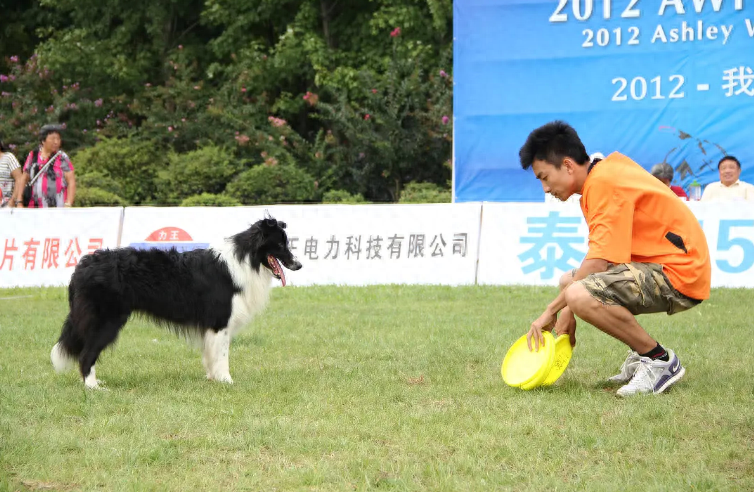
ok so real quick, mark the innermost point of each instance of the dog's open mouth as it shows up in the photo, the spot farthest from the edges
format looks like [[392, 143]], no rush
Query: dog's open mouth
[[277, 270]]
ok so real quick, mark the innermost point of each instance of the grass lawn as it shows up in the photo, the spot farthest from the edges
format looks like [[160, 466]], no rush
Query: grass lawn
[[389, 387]]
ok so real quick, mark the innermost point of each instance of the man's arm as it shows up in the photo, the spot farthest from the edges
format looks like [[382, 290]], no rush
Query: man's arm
[[548, 318]]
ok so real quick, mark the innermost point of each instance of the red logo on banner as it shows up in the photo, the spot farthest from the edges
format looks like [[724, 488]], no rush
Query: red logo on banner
[[169, 234], [168, 238]]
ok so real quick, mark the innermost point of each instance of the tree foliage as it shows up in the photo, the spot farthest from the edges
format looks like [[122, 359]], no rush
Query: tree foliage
[[170, 100]]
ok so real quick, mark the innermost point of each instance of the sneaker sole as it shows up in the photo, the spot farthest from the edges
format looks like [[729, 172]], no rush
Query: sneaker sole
[[671, 381]]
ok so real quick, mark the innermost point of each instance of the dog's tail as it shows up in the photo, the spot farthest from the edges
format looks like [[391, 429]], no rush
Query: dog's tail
[[69, 346]]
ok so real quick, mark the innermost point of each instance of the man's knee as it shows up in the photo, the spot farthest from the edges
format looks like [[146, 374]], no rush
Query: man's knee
[[578, 298], [566, 279]]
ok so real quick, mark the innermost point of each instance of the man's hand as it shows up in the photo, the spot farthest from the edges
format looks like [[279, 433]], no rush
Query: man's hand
[[545, 322], [567, 325]]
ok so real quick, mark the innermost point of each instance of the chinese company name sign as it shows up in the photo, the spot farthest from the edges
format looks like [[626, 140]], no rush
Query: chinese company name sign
[[460, 244], [658, 80]]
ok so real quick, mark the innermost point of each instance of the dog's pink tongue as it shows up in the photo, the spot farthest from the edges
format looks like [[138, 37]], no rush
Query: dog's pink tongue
[[276, 268]]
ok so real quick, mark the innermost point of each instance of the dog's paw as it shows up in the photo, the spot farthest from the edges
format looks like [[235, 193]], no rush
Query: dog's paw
[[223, 378], [95, 384]]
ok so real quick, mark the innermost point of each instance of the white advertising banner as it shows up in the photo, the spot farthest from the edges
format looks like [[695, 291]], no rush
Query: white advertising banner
[[337, 244], [535, 243], [42, 247]]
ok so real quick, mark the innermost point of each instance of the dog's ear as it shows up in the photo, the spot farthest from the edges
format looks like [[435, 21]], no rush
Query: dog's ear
[[281, 224], [269, 221]]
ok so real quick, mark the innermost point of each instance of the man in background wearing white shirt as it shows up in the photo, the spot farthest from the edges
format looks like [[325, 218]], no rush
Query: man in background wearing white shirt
[[729, 188]]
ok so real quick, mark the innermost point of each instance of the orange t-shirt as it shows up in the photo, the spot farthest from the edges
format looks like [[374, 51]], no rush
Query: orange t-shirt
[[633, 216]]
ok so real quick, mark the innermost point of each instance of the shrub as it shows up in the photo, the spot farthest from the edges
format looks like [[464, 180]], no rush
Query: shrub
[[210, 200], [204, 171], [96, 179], [342, 196], [264, 184], [424, 193], [97, 197], [132, 165]]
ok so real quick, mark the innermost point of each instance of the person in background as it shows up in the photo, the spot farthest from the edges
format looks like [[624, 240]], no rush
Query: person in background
[[729, 187], [10, 175], [664, 172], [57, 185]]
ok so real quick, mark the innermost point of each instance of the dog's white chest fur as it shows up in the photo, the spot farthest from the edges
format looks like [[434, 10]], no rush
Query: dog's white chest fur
[[256, 288]]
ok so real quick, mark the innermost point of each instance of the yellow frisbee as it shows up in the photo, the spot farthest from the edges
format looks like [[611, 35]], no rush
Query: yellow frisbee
[[563, 353], [528, 369]]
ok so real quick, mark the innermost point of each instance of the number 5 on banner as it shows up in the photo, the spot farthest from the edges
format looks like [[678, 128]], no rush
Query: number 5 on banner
[[725, 243]]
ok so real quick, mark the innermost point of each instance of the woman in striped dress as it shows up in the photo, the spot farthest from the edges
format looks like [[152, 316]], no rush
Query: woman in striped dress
[[56, 187]]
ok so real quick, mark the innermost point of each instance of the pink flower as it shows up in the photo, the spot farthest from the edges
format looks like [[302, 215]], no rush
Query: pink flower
[[170, 128], [14, 59], [374, 91], [396, 32], [183, 120], [366, 116], [98, 103], [277, 122], [196, 87], [3, 78], [443, 73], [147, 85], [311, 98], [445, 120], [180, 46], [243, 89], [242, 139]]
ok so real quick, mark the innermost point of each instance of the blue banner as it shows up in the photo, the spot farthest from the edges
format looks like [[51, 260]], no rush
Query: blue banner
[[657, 80]]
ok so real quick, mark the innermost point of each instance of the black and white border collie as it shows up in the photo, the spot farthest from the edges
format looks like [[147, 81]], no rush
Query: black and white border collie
[[208, 293]]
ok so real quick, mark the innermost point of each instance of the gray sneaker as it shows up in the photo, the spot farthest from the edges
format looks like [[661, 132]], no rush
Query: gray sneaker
[[628, 369], [654, 376]]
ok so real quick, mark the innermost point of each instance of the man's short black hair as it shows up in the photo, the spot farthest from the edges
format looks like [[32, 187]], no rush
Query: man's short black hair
[[48, 129], [729, 158], [552, 143]]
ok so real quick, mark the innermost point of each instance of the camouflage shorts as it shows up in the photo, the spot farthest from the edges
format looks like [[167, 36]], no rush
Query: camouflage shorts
[[639, 287]]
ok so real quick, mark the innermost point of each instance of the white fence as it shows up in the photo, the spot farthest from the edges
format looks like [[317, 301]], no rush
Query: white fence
[[449, 244]]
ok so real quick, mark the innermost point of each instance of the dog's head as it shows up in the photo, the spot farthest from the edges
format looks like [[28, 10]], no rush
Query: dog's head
[[265, 244]]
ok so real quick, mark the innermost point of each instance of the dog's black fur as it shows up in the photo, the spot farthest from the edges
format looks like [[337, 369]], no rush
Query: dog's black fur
[[214, 290]]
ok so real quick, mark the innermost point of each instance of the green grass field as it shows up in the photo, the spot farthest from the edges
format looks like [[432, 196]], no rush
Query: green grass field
[[388, 387]]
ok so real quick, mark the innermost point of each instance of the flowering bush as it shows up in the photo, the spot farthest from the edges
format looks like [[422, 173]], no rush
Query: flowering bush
[[30, 98]]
